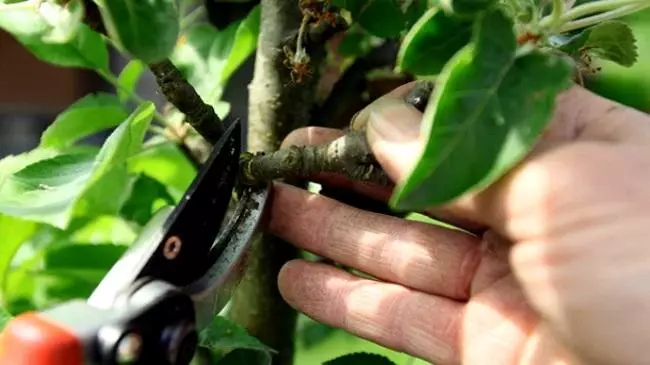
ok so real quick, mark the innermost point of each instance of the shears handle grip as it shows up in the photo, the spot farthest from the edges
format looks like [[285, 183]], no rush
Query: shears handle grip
[[34, 339], [152, 323]]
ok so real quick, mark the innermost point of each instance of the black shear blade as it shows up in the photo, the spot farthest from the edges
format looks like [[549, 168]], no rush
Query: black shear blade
[[191, 229]]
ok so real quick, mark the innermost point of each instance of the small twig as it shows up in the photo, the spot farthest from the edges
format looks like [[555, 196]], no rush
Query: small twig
[[177, 90], [349, 155], [184, 97], [317, 33]]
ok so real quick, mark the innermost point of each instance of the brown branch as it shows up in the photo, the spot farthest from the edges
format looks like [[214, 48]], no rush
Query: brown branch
[[184, 97], [349, 155], [178, 92], [278, 105]]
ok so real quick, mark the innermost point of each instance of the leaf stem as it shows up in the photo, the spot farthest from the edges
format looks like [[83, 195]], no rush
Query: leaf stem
[[556, 14], [112, 79], [598, 7], [595, 19], [195, 14], [584, 10]]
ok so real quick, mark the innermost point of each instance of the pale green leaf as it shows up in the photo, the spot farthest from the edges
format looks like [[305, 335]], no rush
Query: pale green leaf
[[86, 50], [360, 358], [148, 196], [89, 115], [611, 40], [73, 271], [146, 29], [15, 232], [55, 189], [48, 20], [487, 111], [207, 56], [223, 336], [22, 19], [166, 163], [64, 20], [128, 79], [105, 229], [5, 317], [431, 42], [243, 45]]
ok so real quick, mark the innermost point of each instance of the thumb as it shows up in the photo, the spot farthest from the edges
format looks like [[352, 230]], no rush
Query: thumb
[[393, 132]]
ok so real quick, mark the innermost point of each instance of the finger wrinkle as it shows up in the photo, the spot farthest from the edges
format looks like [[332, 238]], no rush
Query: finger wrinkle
[[298, 216], [418, 255], [391, 315]]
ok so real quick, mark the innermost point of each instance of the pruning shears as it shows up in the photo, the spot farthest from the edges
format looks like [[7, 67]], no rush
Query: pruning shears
[[171, 282]]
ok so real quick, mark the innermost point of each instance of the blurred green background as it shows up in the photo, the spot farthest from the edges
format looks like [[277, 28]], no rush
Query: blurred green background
[[630, 86]]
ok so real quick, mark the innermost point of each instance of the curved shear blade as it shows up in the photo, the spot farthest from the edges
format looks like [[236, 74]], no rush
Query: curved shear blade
[[175, 245], [183, 252]]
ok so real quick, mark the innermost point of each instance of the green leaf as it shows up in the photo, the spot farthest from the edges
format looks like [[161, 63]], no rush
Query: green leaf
[[128, 79], [86, 50], [244, 356], [90, 114], [148, 196], [105, 229], [243, 45], [166, 163], [415, 10], [466, 7], [223, 336], [207, 56], [14, 233], [356, 42], [312, 333], [612, 40], [487, 111], [73, 271], [360, 358], [5, 317], [382, 18], [431, 42], [146, 29], [55, 189], [49, 21], [65, 21], [22, 19]]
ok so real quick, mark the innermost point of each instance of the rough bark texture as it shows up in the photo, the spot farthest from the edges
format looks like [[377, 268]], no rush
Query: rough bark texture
[[179, 92], [348, 155], [277, 106]]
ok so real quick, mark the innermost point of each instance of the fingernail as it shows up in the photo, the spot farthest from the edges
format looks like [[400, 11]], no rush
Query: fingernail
[[393, 120]]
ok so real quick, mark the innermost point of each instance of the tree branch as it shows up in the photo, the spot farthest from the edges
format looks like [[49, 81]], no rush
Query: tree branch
[[182, 95], [177, 90], [279, 103], [349, 155]]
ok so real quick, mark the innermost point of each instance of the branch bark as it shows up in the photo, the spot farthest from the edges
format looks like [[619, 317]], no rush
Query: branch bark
[[349, 155], [278, 105]]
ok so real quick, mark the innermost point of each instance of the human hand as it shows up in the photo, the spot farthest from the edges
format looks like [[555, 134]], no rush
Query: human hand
[[558, 271]]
